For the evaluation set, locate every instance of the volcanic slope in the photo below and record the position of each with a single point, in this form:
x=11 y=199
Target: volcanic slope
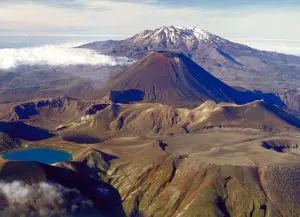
x=214 y=160
x=233 y=63
x=173 y=79
x=157 y=120
x=229 y=61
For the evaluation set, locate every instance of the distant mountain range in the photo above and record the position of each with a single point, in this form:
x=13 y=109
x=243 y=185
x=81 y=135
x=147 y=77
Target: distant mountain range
x=236 y=64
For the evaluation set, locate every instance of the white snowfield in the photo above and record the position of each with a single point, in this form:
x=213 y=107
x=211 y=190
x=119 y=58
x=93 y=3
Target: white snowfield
x=189 y=36
x=175 y=35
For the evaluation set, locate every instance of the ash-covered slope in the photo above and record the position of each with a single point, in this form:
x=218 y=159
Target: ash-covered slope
x=174 y=79
x=236 y=64
x=155 y=120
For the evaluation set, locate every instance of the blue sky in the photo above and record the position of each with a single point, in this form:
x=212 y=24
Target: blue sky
x=264 y=19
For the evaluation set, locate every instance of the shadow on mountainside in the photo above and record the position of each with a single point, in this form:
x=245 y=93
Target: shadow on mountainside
x=23 y=131
x=81 y=139
x=127 y=96
x=104 y=196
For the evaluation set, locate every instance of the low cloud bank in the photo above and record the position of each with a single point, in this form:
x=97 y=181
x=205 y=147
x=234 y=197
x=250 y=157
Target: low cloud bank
x=18 y=199
x=279 y=46
x=55 y=56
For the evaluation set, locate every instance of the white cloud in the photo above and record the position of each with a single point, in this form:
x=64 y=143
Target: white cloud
x=40 y=200
x=56 y=55
x=97 y=17
x=127 y=18
x=280 y=46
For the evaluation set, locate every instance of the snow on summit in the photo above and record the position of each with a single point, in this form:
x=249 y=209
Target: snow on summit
x=176 y=35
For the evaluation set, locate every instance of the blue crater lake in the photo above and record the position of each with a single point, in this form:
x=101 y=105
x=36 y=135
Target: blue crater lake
x=42 y=155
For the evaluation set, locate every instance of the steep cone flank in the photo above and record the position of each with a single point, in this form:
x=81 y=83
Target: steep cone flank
x=170 y=78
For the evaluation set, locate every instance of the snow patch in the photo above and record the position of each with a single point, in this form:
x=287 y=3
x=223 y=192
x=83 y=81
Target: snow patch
x=176 y=35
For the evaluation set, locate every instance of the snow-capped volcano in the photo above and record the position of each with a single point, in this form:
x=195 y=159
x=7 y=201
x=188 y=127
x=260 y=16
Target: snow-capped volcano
x=176 y=36
x=236 y=64
x=176 y=39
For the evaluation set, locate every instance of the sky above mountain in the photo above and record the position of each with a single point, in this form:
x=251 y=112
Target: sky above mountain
x=264 y=19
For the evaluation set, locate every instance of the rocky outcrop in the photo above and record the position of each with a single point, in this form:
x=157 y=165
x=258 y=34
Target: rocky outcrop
x=292 y=99
x=7 y=142
x=45 y=111
x=161 y=184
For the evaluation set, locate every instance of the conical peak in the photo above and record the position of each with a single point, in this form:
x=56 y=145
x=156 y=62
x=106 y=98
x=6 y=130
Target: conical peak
x=163 y=60
x=164 y=54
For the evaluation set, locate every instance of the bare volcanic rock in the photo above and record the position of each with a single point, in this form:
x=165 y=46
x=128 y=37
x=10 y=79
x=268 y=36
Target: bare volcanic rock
x=217 y=175
x=173 y=79
x=7 y=142
x=292 y=98
x=150 y=119
x=46 y=112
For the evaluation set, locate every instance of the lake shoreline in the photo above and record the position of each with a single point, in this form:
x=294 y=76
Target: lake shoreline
x=44 y=155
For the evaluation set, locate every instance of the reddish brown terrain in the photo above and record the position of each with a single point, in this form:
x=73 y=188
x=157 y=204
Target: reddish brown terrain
x=44 y=111
x=173 y=79
x=163 y=138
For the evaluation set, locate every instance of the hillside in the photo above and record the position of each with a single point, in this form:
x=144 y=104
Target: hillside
x=47 y=112
x=216 y=159
x=156 y=120
x=211 y=174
